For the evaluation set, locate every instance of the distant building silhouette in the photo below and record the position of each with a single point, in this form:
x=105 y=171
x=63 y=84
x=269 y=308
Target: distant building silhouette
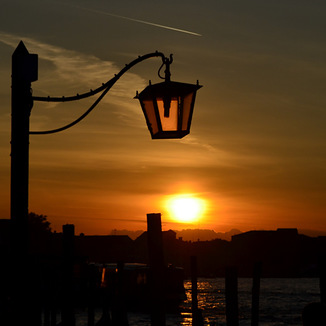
x=284 y=252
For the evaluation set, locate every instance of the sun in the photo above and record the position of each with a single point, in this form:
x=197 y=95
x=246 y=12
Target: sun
x=186 y=208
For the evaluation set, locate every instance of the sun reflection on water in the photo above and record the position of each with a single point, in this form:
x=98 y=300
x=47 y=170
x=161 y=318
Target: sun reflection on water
x=210 y=299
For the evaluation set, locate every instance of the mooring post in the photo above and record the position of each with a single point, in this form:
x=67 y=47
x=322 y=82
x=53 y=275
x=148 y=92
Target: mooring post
x=53 y=319
x=92 y=275
x=194 y=298
x=322 y=268
x=46 y=313
x=197 y=318
x=119 y=310
x=231 y=296
x=255 y=294
x=157 y=269
x=67 y=310
x=322 y=277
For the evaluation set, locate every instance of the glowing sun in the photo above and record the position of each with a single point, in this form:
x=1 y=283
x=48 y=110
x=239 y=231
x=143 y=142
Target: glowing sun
x=186 y=208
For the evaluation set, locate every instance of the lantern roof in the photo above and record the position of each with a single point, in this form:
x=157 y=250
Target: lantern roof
x=170 y=88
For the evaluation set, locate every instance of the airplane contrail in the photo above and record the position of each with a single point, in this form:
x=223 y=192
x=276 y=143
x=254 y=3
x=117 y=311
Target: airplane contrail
x=140 y=21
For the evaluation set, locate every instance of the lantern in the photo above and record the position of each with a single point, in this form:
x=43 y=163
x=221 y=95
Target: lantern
x=168 y=108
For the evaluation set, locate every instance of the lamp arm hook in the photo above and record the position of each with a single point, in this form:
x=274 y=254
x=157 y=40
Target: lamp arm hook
x=166 y=62
x=105 y=88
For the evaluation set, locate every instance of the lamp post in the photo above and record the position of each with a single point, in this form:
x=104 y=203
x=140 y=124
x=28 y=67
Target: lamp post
x=24 y=71
x=167 y=107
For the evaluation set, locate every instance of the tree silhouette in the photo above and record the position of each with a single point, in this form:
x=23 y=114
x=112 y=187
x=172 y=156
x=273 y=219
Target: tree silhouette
x=38 y=224
x=39 y=232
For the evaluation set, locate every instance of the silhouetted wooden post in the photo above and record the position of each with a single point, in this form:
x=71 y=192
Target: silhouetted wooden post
x=24 y=71
x=92 y=274
x=157 y=269
x=67 y=312
x=231 y=296
x=322 y=277
x=197 y=318
x=119 y=311
x=53 y=316
x=194 y=298
x=53 y=297
x=255 y=294
x=47 y=311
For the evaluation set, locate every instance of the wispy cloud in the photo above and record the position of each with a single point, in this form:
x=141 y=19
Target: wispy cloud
x=74 y=72
x=195 y=142
x=65 y=72
x=140 y=21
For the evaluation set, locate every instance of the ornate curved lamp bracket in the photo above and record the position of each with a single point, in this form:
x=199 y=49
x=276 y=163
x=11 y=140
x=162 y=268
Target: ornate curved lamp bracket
x=104 y=89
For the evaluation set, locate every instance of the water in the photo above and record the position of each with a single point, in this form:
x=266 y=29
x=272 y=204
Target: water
x=281 y=302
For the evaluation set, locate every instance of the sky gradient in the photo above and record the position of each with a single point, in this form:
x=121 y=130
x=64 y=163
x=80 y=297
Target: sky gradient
x=257 y=148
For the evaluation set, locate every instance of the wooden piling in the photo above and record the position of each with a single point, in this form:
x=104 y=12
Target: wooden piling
x=119 y=310
x=322 y=278
x=231 y=296
x=47 y=312
x=157 y=269
x=67 y=309
x=255 y=294
x=197 y=318
x=92 y=274
x=53 y=319
x=194 y=292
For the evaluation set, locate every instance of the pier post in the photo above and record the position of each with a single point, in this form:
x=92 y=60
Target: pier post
x=157 y=269
x=67 y=312
x=119 y=310
x=197 y=318
x=322 y=278
x=322 y=268
x=255 y=294
x=92 y=274
x=231 y=296
x=194 y=292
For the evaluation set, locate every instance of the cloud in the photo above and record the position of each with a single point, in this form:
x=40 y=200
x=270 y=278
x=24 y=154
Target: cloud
x=65 y=72
x=194 y=141
x=73 y=71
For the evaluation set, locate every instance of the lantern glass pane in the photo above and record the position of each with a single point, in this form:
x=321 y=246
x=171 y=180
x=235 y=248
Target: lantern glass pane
x=169 y=123
x=187 y=103
x=150 y=114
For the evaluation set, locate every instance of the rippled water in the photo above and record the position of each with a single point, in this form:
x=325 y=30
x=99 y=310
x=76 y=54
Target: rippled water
x=281 y=302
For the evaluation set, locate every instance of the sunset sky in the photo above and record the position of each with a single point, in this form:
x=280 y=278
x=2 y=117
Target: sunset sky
x=256 y=154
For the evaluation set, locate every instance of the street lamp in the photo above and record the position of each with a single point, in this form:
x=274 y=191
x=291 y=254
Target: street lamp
x=167 y=107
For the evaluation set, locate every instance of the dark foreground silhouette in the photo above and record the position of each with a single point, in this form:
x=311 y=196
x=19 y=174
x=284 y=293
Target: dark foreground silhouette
x=63 y=272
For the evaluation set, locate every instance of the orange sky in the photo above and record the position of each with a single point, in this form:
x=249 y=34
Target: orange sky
x=256 y=152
